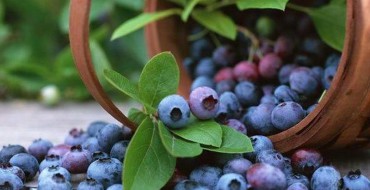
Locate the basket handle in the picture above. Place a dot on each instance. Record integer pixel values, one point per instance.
(79, 39)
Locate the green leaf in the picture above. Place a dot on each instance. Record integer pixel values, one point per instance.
(159, 78)
(188, 8)
(176, 146)
(330, 23)
(217, 22)
(136, 5)
(142, 20)
(147, 164)
(232, 142)
(136, 116)
(122, 84)
(261, 4)
(204, 132)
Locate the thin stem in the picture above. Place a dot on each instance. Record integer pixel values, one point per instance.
(220, 4)
(198, 35)
(215, 40)
(255, 42)
(322, 96)
(298, 8)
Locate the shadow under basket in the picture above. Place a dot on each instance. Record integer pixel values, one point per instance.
(341, 119)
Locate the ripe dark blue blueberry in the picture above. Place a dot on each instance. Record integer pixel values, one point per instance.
(313, 47)
(91, 144)
(109, 135)
(59, 150)
(259, 144)
(332, 60)
(303, 81)
(298, 178)
(260, 120)
(206, 175)
(9, 151)
(189, 64)
(304, 60)
(50, 160)
(189, 185)
(269, 99)
(288, 169)
(306, 161)
(27, 163)
(272, 157)
(9, 181)
(354, 180)
(57, 181)
(115, 187)
(237, 165)
(94, 127)
(76, 137)
(325, 178)
(224, 56)
(262, 176)
(90, 184)
(205, 67)
(231, 181)
(268, 89)
(311, 108)
(284, 94)
(224, 86)
(246, 71)
(269, 66)
(286, 115)
(7, 167)
(328, 76)
(229, 107)
(77, 160)
(118, 150)
(39, 148)
(248, 93)
(297, 186)
(174, 111)
(201, 48)
(204, 103)
(285, 72)
(237, 125)
(112, 171)
(99, 154)
(317, 72)
(202, 81)
(52, 170)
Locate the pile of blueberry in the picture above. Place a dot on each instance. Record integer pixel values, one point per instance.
(98, 152)
(269, 85)
(267, 169)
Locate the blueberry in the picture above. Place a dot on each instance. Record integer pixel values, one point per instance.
(52, 170)
(266, 47)
(59, 150)
(91, 144)
(269, 66)
(115, 187)
(328, 76)
(225, 73)
(39, 148)
(288, 169)
(286, 115)
(297, 186)
(224, 86)
(354, 180)
(205, 67)
(206, 175)
(9, 181)
(260, 120)
(268, 89)
(9, 151)
(76, 137)
(99, 154)
(90, 184)
(237, 125)
(332, 60)
(94, 127)
(76, 160)
(259, 144)
(202, 81)
(306, 161)
(7, 167)
(285, 72)
(201, 48)
(224, 56)
(174, 111)
(246, 71)
(304, 60)
(269, 99)
(311, 108)
(231, 181)
(317, 73)
(57, 182)
(272, 157)
(265, 26)
(189, 185)
(119, 150)
(298, 178)
(27, 163)
(204, 103)
(112, 171)
(325, 178)
(284, 46)
(284, 94)
(189, 64)
(229, 107)
(50, 160)
(262, 176)
(313, 47)
(303, 81)
(109, 135)
(237, 165)
(248, 93)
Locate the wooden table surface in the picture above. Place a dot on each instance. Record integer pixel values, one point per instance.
(21, 122)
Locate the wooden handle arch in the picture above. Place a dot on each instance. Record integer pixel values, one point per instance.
(79, 41)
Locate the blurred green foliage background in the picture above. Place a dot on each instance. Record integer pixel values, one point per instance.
(34, 46)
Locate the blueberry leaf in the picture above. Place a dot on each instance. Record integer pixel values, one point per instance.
(203, 132)
(232, 142)
(217, 22)
(261, 4)
(330, 23)
(188, 8)
(136, 116)
(176, 146)
(147, 164)
(142, 20)
(122, 84)
(159, 78)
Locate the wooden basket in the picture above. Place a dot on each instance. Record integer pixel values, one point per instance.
(341, 119)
